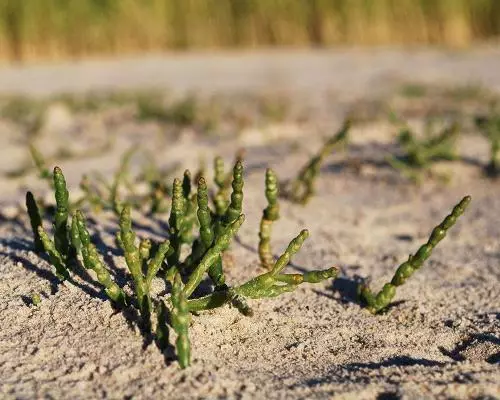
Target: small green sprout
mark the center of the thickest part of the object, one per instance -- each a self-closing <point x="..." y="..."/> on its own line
<point x="377" y="303"/>
<point x="301" y="188"/>
<point x="490" y="128"/>
<point x="36" y="299"/>
<point x="269" y="215"/>
<point x="420" y="154"/>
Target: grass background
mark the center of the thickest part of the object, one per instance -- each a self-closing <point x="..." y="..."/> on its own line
<point x="54" y="29"/>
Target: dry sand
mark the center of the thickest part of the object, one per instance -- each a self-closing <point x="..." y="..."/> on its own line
<point x="441" y="339"/>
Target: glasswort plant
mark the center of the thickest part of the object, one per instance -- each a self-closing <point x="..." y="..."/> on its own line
<point x="377" y="303"/>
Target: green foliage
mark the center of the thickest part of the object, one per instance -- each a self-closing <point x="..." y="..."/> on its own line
<point x="137" y="263"/>
<point x="269" y="215"/>
<point x="145" y="259"/>
<point x="377" y="303"/>
<point x="490" y="128"/>
<point x="180" y="322"/>
<point x="61" y="253"/>
<point x="301" y="188"/>
<point x="420" y="153"/>
<point x="91" y="260"/>
<point x="35" y="220"/>
<point x="182" y="112"/>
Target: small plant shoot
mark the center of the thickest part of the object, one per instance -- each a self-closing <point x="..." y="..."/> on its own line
<point x="377" y="303"/>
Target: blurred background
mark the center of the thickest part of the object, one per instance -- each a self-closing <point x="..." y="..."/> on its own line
<point x="62" y="29"/>
<point x="82" y="81"/>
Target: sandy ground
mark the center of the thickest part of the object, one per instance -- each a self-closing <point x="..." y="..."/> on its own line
<point x="441" y="338"/>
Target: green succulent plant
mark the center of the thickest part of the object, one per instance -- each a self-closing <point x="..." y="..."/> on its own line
<point x="215" y="234"/>
<point x="379" y="302"/>
<point x="490" y="128"/>
<point x="301" y="188"/>
<point x="420" y="153"/>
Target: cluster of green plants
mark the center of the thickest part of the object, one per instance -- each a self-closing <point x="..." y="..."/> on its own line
<point x="147" y="260"/>
<point x="420" y="152"/>
<point x="489" y="126"/>
<point x="201" y="227"/>
<point x="75" y="28"/>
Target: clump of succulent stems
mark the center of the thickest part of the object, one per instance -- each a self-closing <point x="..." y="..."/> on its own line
<point x="301" y="188"/>
<point x="216" y="229"/>
<point x="490" y="128"/>
<point x="377" y="303"/>
<point x="420" y="153"/>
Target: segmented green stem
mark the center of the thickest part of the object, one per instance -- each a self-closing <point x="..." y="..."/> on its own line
<point x="293" y="247"/>
<point x="204" y="217"/>
<point x="55" y="257"/>
<point x="35" y="220"/>
<point x="212" y="254"/>
<point x="156" y="262"/>
<point x="235" y="206"/>
<point x="134" y="264"/>
<point x="205" y="240"/>
<point x="270" y="214"/>
<point x="220" y="179"/>
<point x="61" y="215"/>
<point x="180" y="322"/>
<point x="301" y="188"/>
<point x="91" y="260"/>
<point x="219" y="173"/>
<point x="162" y="331"/>
<point x="175" y="222"/>
<point x="379" y="302"/>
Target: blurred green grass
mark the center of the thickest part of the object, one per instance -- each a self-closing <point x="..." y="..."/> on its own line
<point x="52" y="29"/>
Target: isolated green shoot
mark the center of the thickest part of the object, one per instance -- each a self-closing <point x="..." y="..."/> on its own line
<point x="301" y="188"/>
<point x="270" y="214"/>
<point x="377" y="303"/>
<point x="35" y="220"/>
